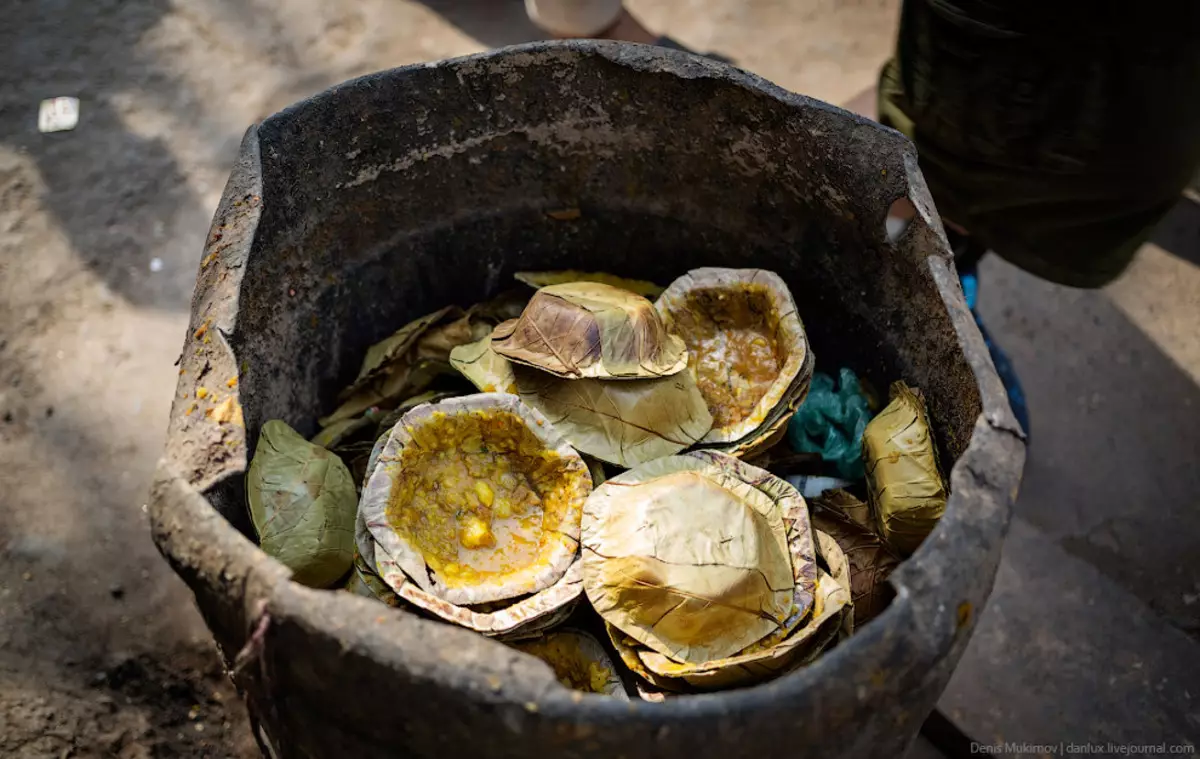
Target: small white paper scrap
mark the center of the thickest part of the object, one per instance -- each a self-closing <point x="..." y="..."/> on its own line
<point x="58" y="114"/>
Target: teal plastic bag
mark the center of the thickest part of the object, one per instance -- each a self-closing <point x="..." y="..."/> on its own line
<point x="831" y="422"/>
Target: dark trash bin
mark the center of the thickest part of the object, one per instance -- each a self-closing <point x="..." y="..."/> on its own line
<point x="391" y="195"/>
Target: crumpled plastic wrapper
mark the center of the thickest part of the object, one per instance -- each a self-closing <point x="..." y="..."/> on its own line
<point x="302" y="503"/>
<point x="590" y="330"/>
<point x="904" y="484"/>
<point x="747" y="350"/>
<point x="831" y="421"/>
<point x="689" y="555"/>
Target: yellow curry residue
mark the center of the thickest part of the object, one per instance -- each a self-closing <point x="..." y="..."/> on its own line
<point x="572" y="666"/>
<point x="478" y="494"/>
<point x="730" y="335"/>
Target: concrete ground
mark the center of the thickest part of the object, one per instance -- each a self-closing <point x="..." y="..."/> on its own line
<point x="1092" y="634"/>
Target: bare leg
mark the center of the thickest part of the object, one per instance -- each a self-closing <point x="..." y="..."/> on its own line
<point x="597" y="19"/>
<point x="629" y="29"/>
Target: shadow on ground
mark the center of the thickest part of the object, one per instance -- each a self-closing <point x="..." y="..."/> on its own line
<point x="101" y="653"/>
<point x="1179" y="232"/>
<point x="1111" y="483"/>
<point x="1111" y="474"/>
<point x="116" y="184"/>
<point x="116" y="194"/>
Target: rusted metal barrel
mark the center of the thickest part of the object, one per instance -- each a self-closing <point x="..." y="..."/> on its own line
<point x="394" y="194"/>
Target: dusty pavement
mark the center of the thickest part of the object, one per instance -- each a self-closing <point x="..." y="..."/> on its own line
<point x="101" y="653"/>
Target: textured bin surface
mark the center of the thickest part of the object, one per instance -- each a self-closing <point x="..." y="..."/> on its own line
<point x="394" y="194"/>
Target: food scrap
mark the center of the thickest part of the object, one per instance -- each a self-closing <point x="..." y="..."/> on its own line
<point x="572" y="463"/>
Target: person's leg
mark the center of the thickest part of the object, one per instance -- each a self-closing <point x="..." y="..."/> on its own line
<point x="967" y="253"/>
<point x="1054" y="137"/>
<point x="570" y="19"/>
<point x="575" y="18"/>
<point x="1057" y="137"/>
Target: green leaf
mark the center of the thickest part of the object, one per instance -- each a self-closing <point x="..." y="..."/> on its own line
<point x="303" y="504"/>
<point x="621" y="422"/>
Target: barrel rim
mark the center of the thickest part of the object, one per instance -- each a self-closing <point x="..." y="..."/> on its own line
<point x="214" y="558"/>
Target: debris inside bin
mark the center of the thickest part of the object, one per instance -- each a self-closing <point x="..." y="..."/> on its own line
<point x="843" y="517"/>
<point x="579" y="661"/>
<point x="831" y="422"/>
<point x="908" y="494"/>
<point x="692" y="556"/>
<point x="748" y="351"/>
<point x="302" y="503"/>
<point x="583" y="473"/>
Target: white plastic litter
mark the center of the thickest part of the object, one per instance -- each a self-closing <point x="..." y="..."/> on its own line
<point x="58" y="114"/>
<point x="811" y="486"/>
<point x="156" y="264"/>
